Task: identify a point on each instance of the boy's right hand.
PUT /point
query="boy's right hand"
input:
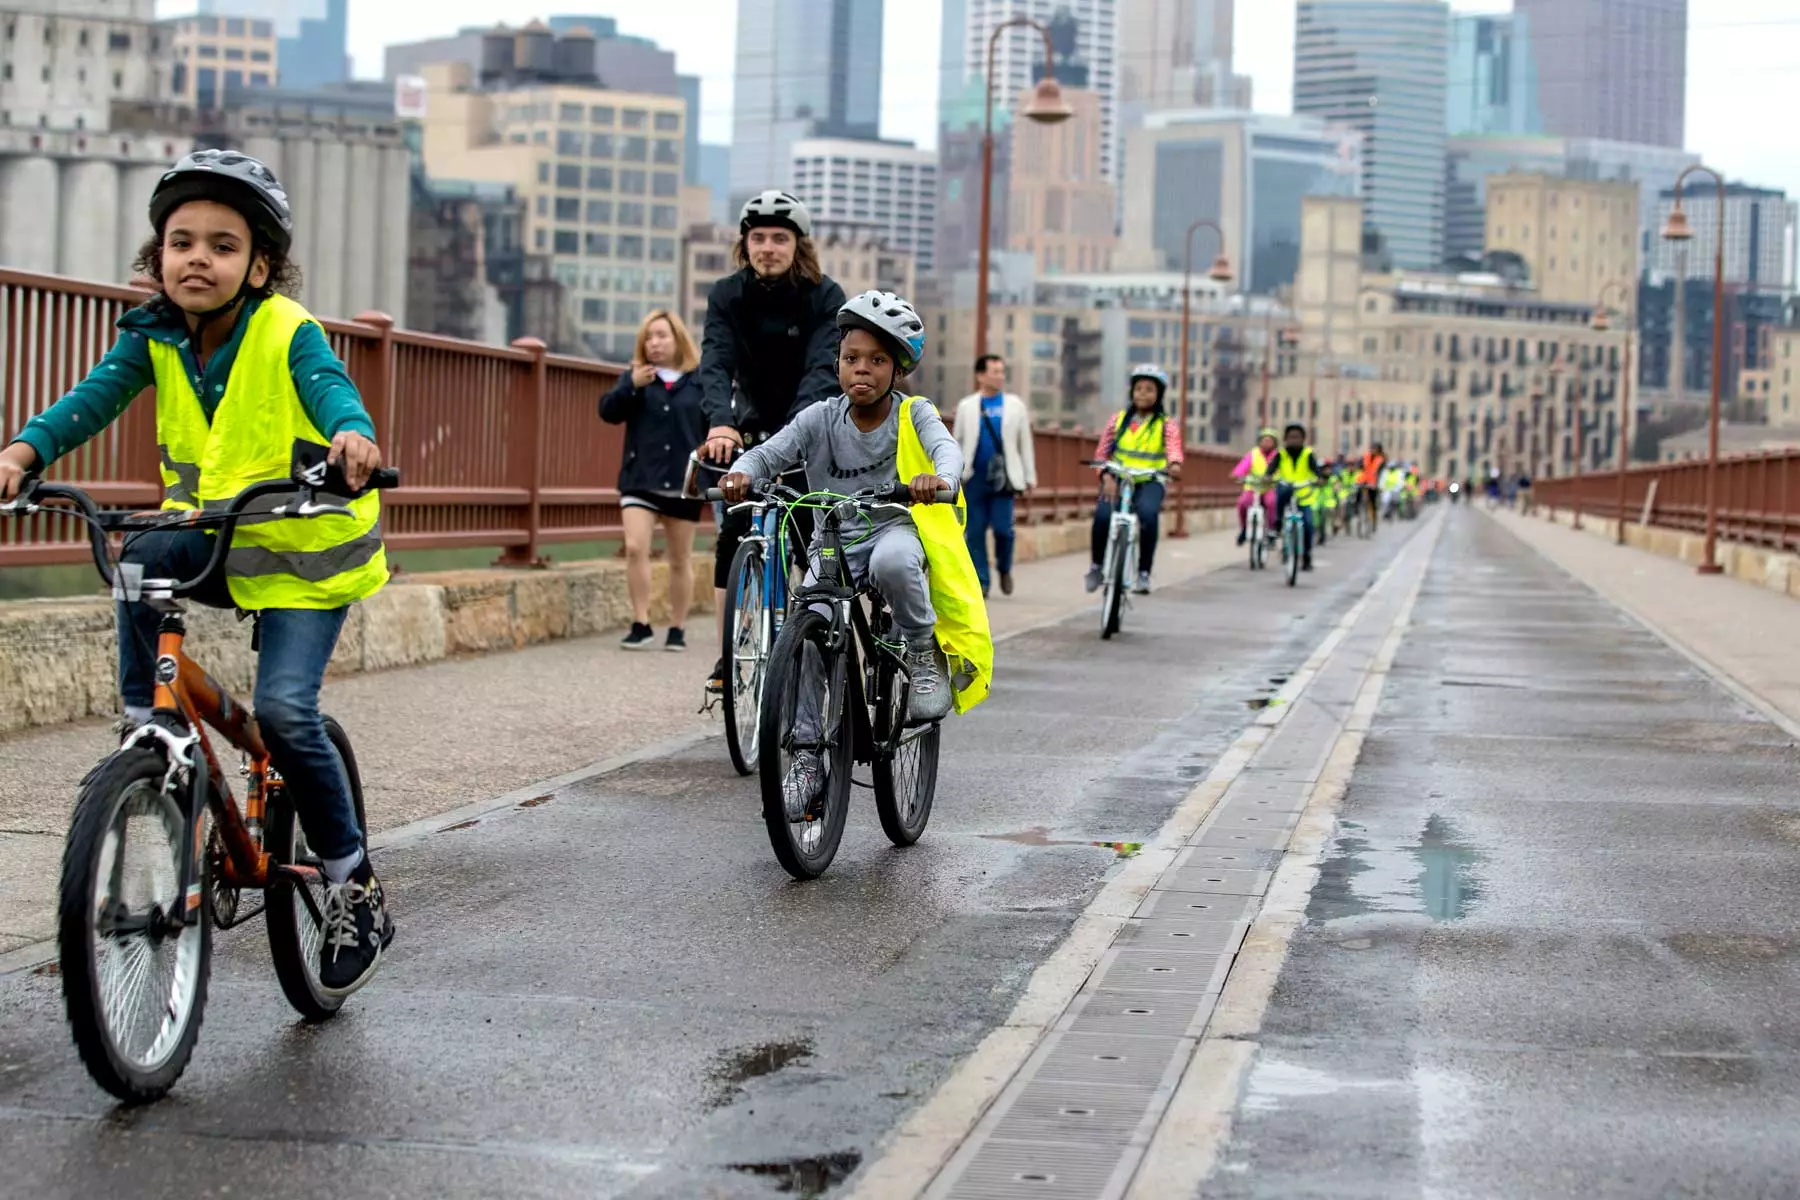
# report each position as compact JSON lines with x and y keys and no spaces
{"x":15,"y":461}
{"x":735,"y":486}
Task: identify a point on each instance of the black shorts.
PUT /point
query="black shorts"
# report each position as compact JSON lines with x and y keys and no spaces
{"x":673,"y":507}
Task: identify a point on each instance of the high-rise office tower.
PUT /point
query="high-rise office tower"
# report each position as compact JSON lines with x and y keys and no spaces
{"x":1614,"y":69}
{"x":314,"y":46}
{"x":805,"y":68}
{"x":1378,"y":67}
{"x":1493,"y":79}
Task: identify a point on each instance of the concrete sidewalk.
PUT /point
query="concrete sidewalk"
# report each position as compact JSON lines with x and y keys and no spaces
{"x":1748,"y":636}
{"x":437,"y":737}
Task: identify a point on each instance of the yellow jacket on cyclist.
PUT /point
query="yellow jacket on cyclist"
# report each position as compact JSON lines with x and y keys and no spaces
{"x":1299,"y":470}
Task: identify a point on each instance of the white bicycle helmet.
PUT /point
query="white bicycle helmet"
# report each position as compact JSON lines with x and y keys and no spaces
{"x":891,"y":319}
{"x":775,"y":207}
{"x":1154,"y":374}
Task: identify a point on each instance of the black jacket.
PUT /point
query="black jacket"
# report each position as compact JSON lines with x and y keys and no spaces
{"x":663,"y":425}
{"x":777,"y":343}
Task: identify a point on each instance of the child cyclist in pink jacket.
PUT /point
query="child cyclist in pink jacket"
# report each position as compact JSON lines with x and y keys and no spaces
{"x":1257,"y":469}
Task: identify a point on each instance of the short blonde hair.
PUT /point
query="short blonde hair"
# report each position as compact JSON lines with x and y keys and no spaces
{"x":687,"y":355}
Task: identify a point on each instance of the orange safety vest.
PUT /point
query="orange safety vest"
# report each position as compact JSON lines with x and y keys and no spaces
{"x":1371,"y":469}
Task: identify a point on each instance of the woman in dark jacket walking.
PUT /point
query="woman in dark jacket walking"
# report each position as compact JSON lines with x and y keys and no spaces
{"x":659,"y":403}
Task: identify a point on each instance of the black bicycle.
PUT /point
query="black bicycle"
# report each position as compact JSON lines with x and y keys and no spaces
{"x":836,"y":688}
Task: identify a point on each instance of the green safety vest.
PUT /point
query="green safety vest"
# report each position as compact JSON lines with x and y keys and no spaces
{"x":1297,"y":471}
{"x":962,"y":621}
{"x":296,"y":562}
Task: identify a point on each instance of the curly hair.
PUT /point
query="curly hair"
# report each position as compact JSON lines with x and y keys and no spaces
{"x":284,"y":272}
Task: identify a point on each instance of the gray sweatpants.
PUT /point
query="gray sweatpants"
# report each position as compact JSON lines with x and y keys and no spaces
{"x":892,"y":559}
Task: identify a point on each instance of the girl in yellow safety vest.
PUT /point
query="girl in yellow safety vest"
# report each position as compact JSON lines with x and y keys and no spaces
{"x":1145,"y":442}
{"x":242,"y":373}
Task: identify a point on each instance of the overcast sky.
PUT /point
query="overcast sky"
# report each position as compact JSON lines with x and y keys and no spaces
{"x":1743,"y":63}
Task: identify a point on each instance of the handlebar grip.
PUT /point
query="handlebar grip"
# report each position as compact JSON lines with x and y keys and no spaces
{"x":713,"y":494}
{"x":383,"y":477}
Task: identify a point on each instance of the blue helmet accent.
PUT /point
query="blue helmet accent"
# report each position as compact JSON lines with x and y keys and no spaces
{"x":891,"y":319}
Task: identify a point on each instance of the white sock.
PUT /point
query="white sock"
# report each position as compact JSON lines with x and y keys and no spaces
{"x":337,"y":870}
{"x":137,"y":714}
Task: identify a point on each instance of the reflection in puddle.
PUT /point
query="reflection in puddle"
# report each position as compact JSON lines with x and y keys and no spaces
{"x":1040,"y":836}
{"x":808,"y":1177}
{"x":1433,"y":874}
{"x":739,"y":1067}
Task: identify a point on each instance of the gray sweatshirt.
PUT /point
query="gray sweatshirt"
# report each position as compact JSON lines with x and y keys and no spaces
{"x":841,"y":458}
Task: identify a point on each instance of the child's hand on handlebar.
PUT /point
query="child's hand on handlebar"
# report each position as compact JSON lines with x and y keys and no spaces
{"x":357,"y":454}
{"x":735,"y":486}
{"x":925,"y":488}
{"x":15,"y":461}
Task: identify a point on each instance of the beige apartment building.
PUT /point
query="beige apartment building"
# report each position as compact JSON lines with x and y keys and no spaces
{"x":600,"y":173}
{"x":215,"y":54}
{"x":1577,"y":237}
{"x":1782,"y":387}
{"x":1059,"y":207}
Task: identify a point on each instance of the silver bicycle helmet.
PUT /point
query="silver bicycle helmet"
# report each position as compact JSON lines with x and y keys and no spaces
{"x":890,"y":318}
{"x":229,"y":178}
{"x":775,"y":207}
{"x":1154,"y":374}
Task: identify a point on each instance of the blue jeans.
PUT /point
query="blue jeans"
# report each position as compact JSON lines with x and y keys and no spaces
{"x":1147,"y":501}
{"x":296,"y":646}
{"x":989,"y":510}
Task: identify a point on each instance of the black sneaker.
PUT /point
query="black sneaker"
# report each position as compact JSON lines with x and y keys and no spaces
{"x":641,"y":637}
{"x":676,"y":641}
{"x":357,"y":930}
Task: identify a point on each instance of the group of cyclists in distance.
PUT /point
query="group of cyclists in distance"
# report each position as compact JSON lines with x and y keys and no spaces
{"x":794,"y":383}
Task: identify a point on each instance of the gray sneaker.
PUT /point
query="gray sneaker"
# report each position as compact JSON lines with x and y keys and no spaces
{"x":1143,"y":583}
{"x":931,"y":698}
{"x":802,"y":783}
{"x":1092,"y":582}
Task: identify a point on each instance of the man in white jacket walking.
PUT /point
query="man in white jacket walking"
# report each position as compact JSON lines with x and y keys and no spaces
{"x":999,"y":463}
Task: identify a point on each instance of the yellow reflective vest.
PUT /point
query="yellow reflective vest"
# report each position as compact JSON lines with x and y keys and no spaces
{"x":1142,"y":449}
{"x":298,"y":562}
{"x":1298,"y":471}
{"x":1259,"y":466}
{"x":962,"y":622}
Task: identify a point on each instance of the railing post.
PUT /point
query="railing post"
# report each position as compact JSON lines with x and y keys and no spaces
{"x":379,"y":392}
{"x":530,"y":440}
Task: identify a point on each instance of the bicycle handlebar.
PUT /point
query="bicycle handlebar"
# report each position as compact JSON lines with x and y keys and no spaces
{"x":894,"y":493}
{"x":101,"y":521}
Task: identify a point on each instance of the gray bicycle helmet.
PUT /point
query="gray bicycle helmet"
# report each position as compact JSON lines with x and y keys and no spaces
{"x":233,"y":179}
{"x":1154,"y":374}
{"x":775,"y":207}
{"x":892,"y":320}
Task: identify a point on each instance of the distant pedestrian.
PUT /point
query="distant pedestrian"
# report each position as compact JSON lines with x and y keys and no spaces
{"x":658,"y":402}
{"x":994,"y":428}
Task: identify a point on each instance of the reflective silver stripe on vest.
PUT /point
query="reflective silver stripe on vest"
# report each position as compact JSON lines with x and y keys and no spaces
{"x":314,"y":566}
{"x":186,"y":488}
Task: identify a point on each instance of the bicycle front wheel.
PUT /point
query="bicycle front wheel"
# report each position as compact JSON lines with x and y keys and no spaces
{"x":804,"y":746}
{"x":746,"y":653}
{"x":1112,"y":606}
{"x":1258,"y":538}
{"x":905,"y":776}
{"x":1290,"y":551}
{"x":295,"y":912}
{"x":134,"y":987}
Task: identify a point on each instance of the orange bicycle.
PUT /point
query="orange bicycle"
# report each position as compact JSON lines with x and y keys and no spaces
{"x":145,"y":874}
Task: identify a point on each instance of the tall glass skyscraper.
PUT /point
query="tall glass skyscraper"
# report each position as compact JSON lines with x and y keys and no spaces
{"x":1378,"y":67}
{"x":1493,"y":83}
{"x":805,"y":68}
{"x":314,"y":36}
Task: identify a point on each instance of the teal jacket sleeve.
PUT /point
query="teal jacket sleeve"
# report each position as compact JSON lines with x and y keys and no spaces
{"x":94,"y":403}
{"x":331,"y":401}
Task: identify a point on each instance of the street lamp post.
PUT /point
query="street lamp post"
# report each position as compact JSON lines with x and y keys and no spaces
{"x":1602,"y":322}
{"x":1047,"y":107}
{"x":1220,"y":273}
{"x":1678,"y":230}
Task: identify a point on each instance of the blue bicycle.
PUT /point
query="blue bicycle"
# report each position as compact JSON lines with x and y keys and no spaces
{"x":1293,"y":532}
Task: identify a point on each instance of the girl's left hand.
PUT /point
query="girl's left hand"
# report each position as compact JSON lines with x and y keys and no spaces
{"x":925,"y":488}
{"x":1174,"y":470}
{"x":358,"y":455}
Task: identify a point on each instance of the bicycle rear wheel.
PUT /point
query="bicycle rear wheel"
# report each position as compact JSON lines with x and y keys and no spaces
{"x":805,"y":847}
{"x":295,"y":912}
{"x":1112,"y":605}
{"x":746,"y":653}
{"x":1258,"y":538}
{"x":134,"y":989}
{"x":905,"y":778}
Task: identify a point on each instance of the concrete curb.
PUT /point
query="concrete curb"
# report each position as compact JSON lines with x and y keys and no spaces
{"x":1777,"y":571}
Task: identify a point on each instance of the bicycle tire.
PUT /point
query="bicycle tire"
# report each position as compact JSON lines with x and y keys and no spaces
{"x":780,"y":694}
{"x":1112,"y":607}
{"x":1253,"y":525}
{"x":741,"y":710}
{"x":137,"y":772}
{"x":903,"y":818}
{"x":1290,"y":546}
{"x":295,"y":955}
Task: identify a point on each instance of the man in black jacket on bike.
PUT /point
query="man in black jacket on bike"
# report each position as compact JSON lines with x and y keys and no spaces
{"x":769,"y":350}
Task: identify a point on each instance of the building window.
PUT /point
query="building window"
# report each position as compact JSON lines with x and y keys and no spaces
{"x":234,"y":27}
{"x":636,"y":118}
{"x":668,"y":151}
{"x":631,"y":212}
{"x":600,"y":179}
{"x":543,"y":206}
{"x":539,"y":240}
{"x":599,"y":245}
{"x":262,"y":29}
{"x":117,"y":41}
{"x":631,"y":247}
{"x":601,"y":114}
{"x":568,"y":242}
{"x":570,"y":113}
{"x":234,"y":80}
{"x":568,"y":208}
{"x":634,"y":149}
{"x":259,"y":79}
{"x":568,"y":143}
{"x":234,"y":54}
{"x":260,"y":56}
{"x":540,"y":137}
{"x":632,"y":181}
{"x":600,"y":145}
{"x":593,"y":310}
{"x":543,"y":172}
{"x":662,"y":249}
{"x":665,"y":184}
{"x":663,"y":216}
{"x":668,"y":122}
{"x":206,"y":52}
{"x":568,"y":175}
{"x":599,"y":212}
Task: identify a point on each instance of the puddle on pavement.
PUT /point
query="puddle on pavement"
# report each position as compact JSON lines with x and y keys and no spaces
{"x":738,"y":1067}
{"x":537,"y":800}
{"x":1040,"y":836}
{"x":806,"y":1177}
{"x":461,"y":825}
{"x":1433,"y":874}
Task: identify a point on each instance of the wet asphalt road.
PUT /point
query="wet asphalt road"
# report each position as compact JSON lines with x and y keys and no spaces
{"x":617,"y":992}
{"x":1555,"y":946}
